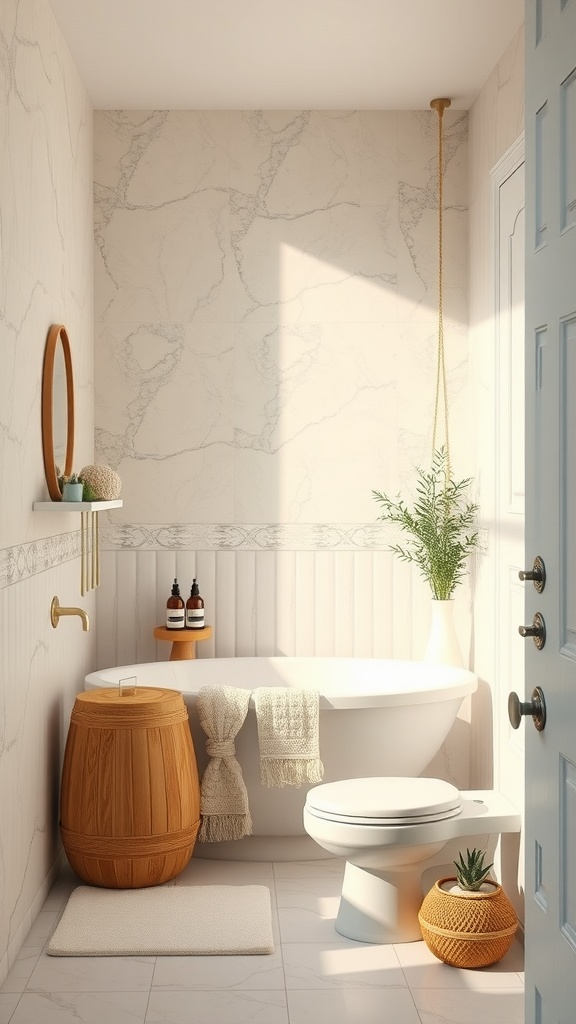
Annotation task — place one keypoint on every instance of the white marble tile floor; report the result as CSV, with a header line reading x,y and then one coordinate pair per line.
x,y
313,975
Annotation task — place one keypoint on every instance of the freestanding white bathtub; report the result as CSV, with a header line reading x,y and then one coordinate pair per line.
x,y
377,717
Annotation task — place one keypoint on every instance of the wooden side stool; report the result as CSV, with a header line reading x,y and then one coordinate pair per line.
x,y
183,640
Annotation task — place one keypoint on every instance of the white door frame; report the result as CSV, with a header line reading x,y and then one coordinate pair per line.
x,y
508,163
489,757
486,736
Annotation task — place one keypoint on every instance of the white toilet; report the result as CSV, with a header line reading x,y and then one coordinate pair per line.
x,y
387,829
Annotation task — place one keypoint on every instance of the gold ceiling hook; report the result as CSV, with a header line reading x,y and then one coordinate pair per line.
x,y
440,105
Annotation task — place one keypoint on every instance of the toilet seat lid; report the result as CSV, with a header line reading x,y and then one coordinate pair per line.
x,y
387,801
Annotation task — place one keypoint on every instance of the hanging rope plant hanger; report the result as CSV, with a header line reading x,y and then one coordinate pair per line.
x,y
441,393
439,525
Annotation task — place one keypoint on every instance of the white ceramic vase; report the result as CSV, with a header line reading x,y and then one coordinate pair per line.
x,y
443,647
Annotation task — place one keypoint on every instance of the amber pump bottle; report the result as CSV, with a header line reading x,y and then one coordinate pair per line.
x,y
195,609
175,611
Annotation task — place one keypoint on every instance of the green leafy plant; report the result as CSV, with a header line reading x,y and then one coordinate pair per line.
x,y
471,873
440,526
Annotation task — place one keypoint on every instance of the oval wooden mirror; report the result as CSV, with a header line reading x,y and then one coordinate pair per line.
x,y
57,409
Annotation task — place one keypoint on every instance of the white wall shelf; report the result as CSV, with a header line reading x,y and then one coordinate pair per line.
x,y
75,506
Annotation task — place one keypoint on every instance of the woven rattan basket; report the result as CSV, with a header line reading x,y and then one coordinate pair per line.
x,y
472,929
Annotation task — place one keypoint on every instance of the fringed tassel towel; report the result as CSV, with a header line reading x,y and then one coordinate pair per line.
x,y
223,797
288,735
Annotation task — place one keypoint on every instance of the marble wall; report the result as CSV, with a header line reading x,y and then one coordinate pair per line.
x,y
266,318
46,276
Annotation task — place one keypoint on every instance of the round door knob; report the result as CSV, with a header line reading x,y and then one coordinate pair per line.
x,y
537,631
535,707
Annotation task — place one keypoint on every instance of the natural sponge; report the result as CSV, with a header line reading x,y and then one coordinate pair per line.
x,y
105,483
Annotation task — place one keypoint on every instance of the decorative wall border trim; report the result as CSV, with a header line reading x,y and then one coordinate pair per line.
x,y
257,537
25,560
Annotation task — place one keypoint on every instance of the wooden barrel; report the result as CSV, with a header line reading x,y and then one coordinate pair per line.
x,y
130,796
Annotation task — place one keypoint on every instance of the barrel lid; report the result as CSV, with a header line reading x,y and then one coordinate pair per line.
x,y
110,696
142,707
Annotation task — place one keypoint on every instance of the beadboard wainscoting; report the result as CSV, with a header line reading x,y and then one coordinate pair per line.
x,y
262,602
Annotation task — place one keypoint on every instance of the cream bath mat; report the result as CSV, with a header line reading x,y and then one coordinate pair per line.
x,y
196,920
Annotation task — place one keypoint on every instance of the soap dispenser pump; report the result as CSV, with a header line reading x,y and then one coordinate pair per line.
x,y
175,611
195,608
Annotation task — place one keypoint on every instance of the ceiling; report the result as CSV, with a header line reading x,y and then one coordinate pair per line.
x,y
285,54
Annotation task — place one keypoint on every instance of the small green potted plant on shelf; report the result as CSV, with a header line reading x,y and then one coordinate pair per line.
x,y
74,488
467,920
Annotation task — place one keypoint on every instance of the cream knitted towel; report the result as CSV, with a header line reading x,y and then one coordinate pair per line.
x,y
223,797
288,735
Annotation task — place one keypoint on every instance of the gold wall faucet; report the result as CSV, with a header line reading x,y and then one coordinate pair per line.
x,y
56,610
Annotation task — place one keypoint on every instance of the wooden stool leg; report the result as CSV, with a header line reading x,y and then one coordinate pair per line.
x,y
183,650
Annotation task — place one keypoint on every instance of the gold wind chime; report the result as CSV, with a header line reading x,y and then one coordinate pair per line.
x,y
440,105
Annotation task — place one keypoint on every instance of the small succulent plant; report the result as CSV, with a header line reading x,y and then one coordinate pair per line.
x,y
471,872
88,494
